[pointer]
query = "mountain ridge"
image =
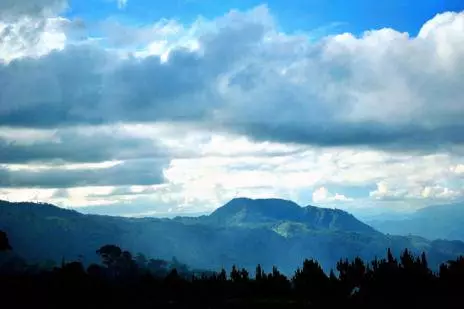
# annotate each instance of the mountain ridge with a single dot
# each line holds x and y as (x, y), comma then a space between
(266, 237)
(243, 211)
(433, 222)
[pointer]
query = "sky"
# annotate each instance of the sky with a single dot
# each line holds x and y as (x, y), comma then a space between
(163, 108)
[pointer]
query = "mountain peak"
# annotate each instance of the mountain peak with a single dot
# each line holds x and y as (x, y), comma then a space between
(263, 202)
(267, 207)
(247, 211)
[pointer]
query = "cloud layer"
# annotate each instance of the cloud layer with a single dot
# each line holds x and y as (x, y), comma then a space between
(195, 114)
(382, 88)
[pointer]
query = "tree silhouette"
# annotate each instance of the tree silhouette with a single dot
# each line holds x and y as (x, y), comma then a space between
(424, 262)
(259, 273)
(4, 242)
(141, 260)
(110, 254)
(222, 275)
(244, 276)
(352, 274)
(311, 282)
(158, 267)
(380, 283)
(235, 274)
(182, 269)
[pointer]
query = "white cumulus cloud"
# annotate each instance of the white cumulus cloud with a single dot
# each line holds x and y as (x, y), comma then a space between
(322, 195)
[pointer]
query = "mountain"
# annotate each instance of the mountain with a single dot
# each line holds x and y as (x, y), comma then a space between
(253, 213)
(243, 232)
(434, 222)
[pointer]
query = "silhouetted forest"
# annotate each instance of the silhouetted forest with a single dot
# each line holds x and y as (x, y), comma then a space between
(122, 280)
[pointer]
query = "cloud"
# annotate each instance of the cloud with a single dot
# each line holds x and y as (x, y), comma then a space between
(67, 198)
(341, 90)
(404, 191)
(122, 4)
(65, 93)
(458, 169)
(296, 175)
(220, 168)
(322, 195)
(84, 145)
(94, 144)
(133, 172)
(10, 9)
(28, 37)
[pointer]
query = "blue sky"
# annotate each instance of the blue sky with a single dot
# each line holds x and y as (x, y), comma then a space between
(282, 100)
(354, 16)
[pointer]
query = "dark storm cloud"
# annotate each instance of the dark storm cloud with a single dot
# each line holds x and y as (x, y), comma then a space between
(72, 87)
(76, 147)
(133, 172)
(404, 138)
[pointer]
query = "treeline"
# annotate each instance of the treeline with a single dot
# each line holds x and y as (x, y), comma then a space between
(122, 280)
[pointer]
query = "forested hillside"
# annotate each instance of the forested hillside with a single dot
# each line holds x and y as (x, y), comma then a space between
(244, 232)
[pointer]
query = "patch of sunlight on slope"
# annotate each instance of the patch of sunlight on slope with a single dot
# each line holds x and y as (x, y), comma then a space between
(289, 229)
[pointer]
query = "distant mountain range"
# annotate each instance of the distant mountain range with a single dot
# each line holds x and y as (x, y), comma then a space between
(244, 232)
(435, 222)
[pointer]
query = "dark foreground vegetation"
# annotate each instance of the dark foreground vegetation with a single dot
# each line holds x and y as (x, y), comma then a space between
(124, 281)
